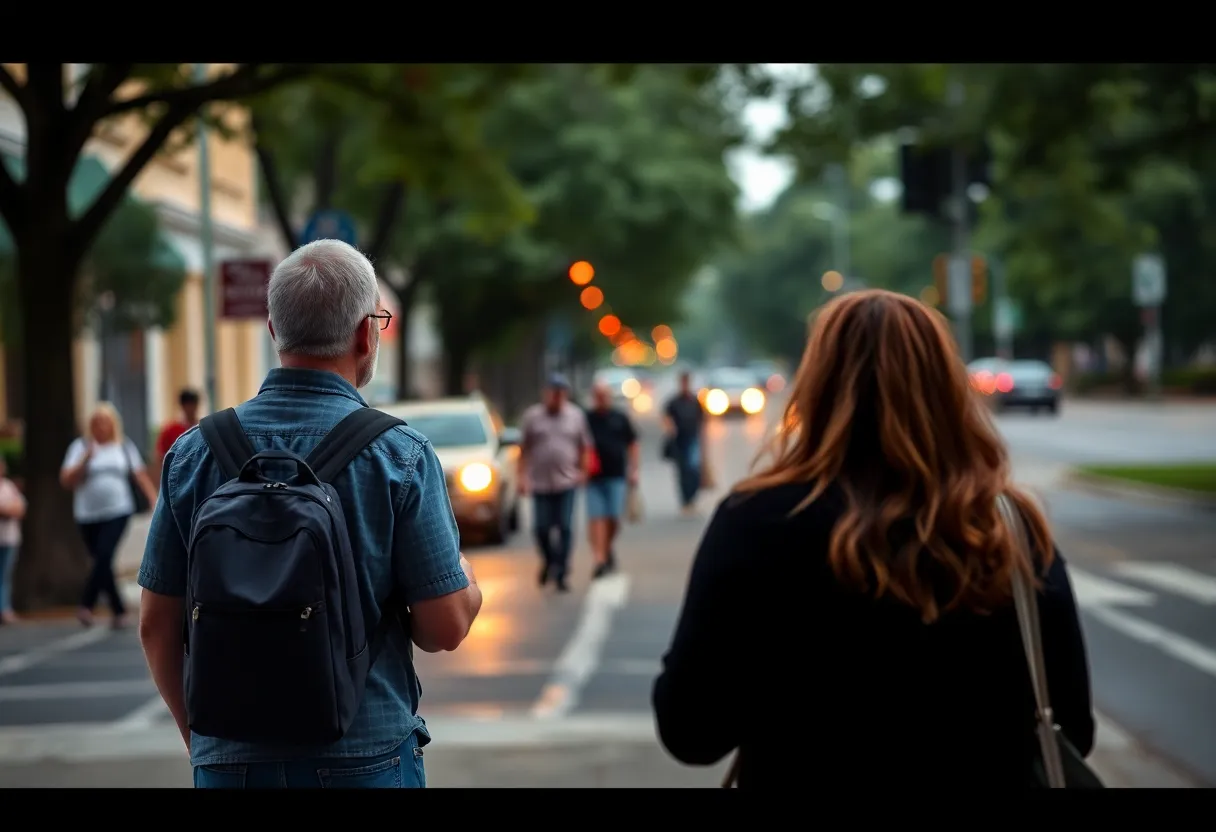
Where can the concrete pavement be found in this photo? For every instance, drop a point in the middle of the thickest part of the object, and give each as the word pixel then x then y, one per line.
pixel 554 690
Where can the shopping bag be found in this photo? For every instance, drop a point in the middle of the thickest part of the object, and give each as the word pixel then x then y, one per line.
pixel 633 505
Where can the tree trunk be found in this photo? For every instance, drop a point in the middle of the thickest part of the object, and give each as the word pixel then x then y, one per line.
pixel 455 369
pixel 53 562
pixel 405 308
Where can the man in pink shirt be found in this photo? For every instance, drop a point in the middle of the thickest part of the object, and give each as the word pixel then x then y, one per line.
pixel 555 450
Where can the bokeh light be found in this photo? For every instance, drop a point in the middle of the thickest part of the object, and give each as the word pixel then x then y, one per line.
pixel 832 281
pixel 929 296
pixel 591 298
pixel 666 348
pixel 660 332
pixel 581 273
pixel 610 325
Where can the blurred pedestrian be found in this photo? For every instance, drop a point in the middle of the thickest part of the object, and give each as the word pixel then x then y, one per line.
pixel 862 582
pixel 612 472
pixel 188 401
pixel 684 422
pixel 326 317
pixel 555 451
pixel 102 469
pixel 12 510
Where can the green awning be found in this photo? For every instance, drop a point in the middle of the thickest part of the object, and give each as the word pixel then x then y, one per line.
pixel 88 180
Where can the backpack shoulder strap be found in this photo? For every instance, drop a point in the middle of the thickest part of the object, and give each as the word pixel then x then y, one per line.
pixel 347 439
pixel 227 440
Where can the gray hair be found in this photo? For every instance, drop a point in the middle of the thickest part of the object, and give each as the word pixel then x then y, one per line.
pixel 318 295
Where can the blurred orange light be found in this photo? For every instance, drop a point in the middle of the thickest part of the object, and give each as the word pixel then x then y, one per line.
pixel 661 332
pixel 665 348
pixel 622 336
pixel 581 273
pixel 591 297
pixel 610 325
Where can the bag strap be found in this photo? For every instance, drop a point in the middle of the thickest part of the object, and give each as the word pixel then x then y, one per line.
pixel 228 442
pixel 731 780
pixel 1026 603
pixel 347 439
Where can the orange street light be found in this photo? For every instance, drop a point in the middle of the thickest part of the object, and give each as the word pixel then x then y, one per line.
pixel 610 325
pixel 665 348
pixel 591 297
pixel 660 332
pixel 581 273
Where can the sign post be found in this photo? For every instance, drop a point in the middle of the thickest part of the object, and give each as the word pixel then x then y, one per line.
pixel 1148 292
pixel 329 224
pixel 243 285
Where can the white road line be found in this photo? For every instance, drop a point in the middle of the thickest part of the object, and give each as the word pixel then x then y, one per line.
pixel 578 661
pixel 46 652
pixel 145 716
pixel 1173 578
pixel 1180 647
pixel 75 690
pixel 1093 591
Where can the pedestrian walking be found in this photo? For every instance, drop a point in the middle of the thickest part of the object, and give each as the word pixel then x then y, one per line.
pixel 684 423
pixel 612 472
pixel 555 450
pixel 105 473
pixel 188 401
pixel 12 510
pixel 863 583
pixel 307 541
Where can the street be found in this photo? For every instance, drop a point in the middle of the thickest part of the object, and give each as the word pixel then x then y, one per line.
pixel 553 690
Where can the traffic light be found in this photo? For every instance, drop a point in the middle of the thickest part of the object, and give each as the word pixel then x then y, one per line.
pixel 941 277
pixel 927 177
pixel 979 279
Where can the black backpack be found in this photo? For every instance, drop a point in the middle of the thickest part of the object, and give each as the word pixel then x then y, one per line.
pixel 278 647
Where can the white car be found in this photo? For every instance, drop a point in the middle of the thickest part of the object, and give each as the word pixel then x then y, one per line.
pixel 479 457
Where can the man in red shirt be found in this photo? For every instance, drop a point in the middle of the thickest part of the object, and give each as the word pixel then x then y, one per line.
pixel 188 399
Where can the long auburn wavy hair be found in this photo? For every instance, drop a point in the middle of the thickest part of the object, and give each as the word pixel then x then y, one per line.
pixel 881 406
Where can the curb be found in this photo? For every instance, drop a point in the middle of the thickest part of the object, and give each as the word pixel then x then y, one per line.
pixel 126 583
pixel 1118 489
pixel 1123 762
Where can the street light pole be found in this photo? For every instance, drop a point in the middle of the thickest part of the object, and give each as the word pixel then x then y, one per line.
pixel 1002 323
pixel 960 272
pixel 838 178
pixel 206 239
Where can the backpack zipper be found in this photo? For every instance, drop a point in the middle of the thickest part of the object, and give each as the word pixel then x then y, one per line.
pixel 305 613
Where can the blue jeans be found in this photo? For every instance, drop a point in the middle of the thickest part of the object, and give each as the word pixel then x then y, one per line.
pixel 606 498
pixel 553 517
pixel 401 768
pixel 8 558
pixel 688 471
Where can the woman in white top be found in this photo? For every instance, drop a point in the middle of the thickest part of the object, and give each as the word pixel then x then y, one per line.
pixel 98 470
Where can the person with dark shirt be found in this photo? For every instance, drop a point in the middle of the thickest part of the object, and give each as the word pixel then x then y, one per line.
pixel 849 615
pixel 188 401
pixel 614 472
pixel 684 419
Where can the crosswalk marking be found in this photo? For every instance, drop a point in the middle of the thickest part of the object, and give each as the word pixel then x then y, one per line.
pixel 76 690
pixel 1180 647
pixel 1093 591
pixel 1173 578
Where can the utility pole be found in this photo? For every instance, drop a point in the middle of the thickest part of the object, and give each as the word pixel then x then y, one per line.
pixel 1002 311
pixel 960 264
pixel 206 238
pixel 839 180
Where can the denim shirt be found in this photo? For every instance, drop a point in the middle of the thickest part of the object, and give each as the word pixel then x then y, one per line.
pixel 402 532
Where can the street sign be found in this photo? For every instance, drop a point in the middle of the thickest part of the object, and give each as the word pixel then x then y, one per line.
pixel 1008 318
pixel 243 285
pixel 960 285
pixel 1148 280
pixel 330 225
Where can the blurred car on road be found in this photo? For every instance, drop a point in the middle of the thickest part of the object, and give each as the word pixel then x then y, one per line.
pixel 479 456
pixel 632 388
pixel 1032 385
pixel 727 390
pixel 769 376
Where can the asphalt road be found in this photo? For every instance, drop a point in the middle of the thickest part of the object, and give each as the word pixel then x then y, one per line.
pixel 545 668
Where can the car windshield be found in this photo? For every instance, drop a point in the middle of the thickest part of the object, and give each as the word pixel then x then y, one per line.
pixel 733 378
pixel 450 430
pixel 1029 369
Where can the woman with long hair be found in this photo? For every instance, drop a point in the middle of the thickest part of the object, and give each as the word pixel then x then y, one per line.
pixel 849 616
pixel 100 469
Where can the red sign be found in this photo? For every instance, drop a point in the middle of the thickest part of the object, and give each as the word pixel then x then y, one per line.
pixel 243 286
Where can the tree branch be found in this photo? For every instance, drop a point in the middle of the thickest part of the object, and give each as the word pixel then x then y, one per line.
pixel 44 82
pixel 386 220
pixel 84 230
pixel 12 200
pixel 326 176
pixel 90 106
pixel 242 82
pixel 19 93
pixel 274 186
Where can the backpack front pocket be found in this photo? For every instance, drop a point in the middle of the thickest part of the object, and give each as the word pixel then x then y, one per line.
pixel 262 675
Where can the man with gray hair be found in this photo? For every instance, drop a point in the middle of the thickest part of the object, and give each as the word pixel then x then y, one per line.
pixel 325 318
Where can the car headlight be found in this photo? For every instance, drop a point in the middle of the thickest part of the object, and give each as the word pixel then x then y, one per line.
pixel 717 402
pixel 752 400
pixel 475 477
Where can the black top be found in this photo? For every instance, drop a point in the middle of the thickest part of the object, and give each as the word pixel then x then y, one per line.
pixel 613 433
pixel 687 415
pixel 819 686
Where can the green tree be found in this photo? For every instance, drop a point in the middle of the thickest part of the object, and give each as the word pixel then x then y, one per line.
pixel 626 173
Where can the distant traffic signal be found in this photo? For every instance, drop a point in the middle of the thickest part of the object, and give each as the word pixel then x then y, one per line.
pixel 979 279
pixel 927 177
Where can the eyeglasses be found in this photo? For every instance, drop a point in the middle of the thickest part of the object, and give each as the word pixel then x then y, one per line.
pixel 384 316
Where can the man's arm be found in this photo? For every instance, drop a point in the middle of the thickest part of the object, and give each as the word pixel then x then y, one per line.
pixel 162 605
pixel 521 461
pixel 436 580
pixel 12 507
pixel 75 464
